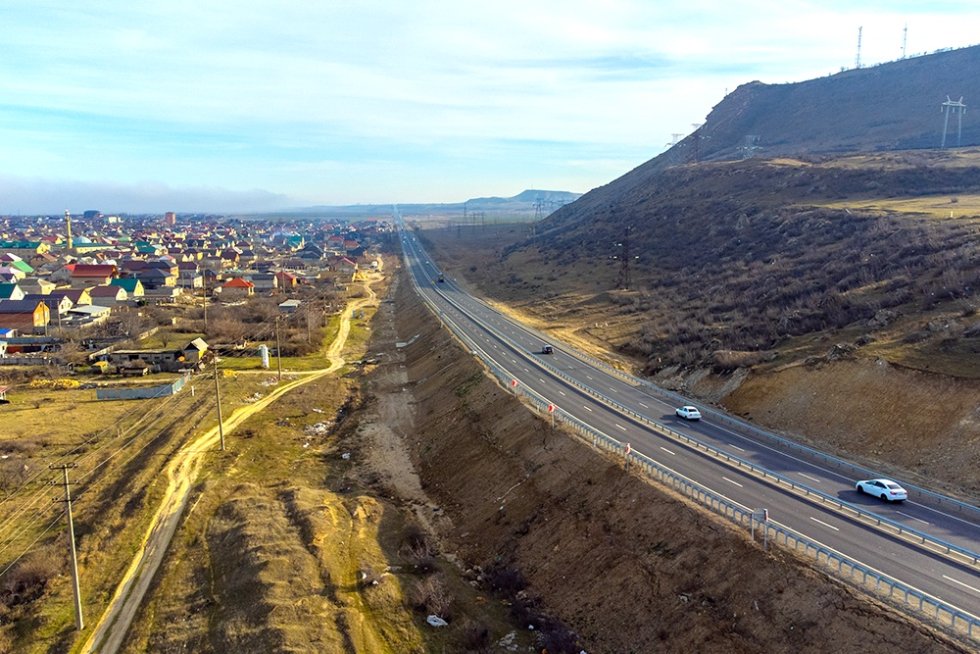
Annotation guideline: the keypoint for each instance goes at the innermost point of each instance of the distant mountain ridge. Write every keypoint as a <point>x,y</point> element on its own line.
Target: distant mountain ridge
<point>523,202</point>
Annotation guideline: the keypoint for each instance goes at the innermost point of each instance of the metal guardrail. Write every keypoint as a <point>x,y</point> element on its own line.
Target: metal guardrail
<point>935,544</point>
<point>856,471</point>
<point>901,595</point>
<point>900,529</point>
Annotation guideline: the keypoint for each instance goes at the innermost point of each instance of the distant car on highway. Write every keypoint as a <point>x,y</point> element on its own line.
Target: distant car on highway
<point>688,413</point>
<point>547,349</point>
<point>885,489</point>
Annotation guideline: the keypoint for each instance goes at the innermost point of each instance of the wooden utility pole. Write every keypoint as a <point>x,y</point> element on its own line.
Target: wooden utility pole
<point>217,399</point>
<point>278,354</point>
<point>205,287</point>
<point>76,588</point>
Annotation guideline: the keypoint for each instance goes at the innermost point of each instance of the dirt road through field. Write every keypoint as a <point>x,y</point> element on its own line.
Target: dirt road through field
<point>181,474</point>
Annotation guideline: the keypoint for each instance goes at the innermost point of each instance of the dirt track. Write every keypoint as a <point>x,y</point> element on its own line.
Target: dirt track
<point>181,473</point>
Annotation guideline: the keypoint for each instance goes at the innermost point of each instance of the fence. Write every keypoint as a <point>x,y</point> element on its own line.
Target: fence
<point>843,567</point>
<point>141,392</point>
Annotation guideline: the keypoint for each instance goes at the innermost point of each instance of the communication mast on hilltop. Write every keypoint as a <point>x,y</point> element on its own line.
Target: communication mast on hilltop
<point>905,39</point>
<point>959,109</point>
<point>857,59</point>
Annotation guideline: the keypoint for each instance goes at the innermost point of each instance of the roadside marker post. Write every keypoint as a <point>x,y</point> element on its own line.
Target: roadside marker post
<point>627,452</point>
<point>551,410</point>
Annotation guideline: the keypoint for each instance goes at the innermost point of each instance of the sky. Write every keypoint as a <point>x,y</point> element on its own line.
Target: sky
<point>257,105</point>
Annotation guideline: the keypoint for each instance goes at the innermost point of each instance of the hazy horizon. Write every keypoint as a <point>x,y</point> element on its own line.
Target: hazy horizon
<point>219,107</point>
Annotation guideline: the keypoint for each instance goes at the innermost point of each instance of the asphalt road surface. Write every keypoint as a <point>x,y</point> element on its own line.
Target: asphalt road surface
<point>518,350</point>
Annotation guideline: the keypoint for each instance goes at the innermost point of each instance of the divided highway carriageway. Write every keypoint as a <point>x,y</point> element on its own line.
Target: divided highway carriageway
<point>929,542</point>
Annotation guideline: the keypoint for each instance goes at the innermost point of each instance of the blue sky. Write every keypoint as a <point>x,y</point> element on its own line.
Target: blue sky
<point>221,105</point>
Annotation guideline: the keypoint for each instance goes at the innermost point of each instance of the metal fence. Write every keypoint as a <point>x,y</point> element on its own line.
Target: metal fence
<point>843,567</point>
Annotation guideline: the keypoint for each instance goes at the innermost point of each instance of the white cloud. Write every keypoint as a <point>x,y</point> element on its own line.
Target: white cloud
<point>235,93</point>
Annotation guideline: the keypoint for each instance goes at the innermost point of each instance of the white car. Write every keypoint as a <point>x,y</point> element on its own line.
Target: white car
<point>688,413</point>
<point>885,489</point>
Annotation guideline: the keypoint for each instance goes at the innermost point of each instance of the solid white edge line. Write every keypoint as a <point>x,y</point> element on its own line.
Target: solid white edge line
<point>957,581</point>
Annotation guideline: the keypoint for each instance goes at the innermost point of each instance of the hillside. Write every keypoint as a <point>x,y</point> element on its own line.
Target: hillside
<point>892,106</point>
<point>827,246</point>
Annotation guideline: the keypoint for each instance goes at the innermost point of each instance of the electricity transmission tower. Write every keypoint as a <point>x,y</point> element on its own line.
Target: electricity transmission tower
<point>625,280</point>
<point>959,109</point>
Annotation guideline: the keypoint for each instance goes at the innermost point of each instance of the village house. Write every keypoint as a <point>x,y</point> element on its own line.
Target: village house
<point>132,285</point>
<point>11,291</point>
<point>84,275</point>
<point>78,296</point>
<point>167,360</point>
<point>237,289</point>
<point>108,296</point>
<point>26,316</point>
<point>286,280</point>
<point>37,285</point>
<point>87,315</point>
<point>264,281</point>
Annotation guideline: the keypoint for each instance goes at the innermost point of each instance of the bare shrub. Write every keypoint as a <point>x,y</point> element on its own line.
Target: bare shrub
<point>28,579</point>
<point>418,548</point>
<point>474,637</point>
<point>430,596</point>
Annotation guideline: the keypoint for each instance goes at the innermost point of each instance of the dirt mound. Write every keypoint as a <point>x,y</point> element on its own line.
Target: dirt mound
<point>627,566</point>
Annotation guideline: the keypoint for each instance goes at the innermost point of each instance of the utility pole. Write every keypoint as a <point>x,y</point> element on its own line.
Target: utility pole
<point>278,355</point>
<point>76,589</point>
<point>217,399</point>
<point>205,287</point>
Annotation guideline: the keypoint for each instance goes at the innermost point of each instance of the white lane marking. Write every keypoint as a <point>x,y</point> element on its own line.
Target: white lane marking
<point>735,447</point>
<point>541,380</point>
<point>561,393</point>
<point>586,408</point>
<point>803,474</point>
<point>612,390</point>
<point>644,405</point>
<point>732,481</point>
<point>911,517</point>
<point>948,515</point>
<point>957,581</point>
<point>668,451</point>
<point>588,376</point>
<point>824,523</point>
<point>526,370</point>
<point>620,426</point>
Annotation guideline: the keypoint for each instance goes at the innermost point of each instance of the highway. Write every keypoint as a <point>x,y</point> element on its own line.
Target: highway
<point>517,349</point>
